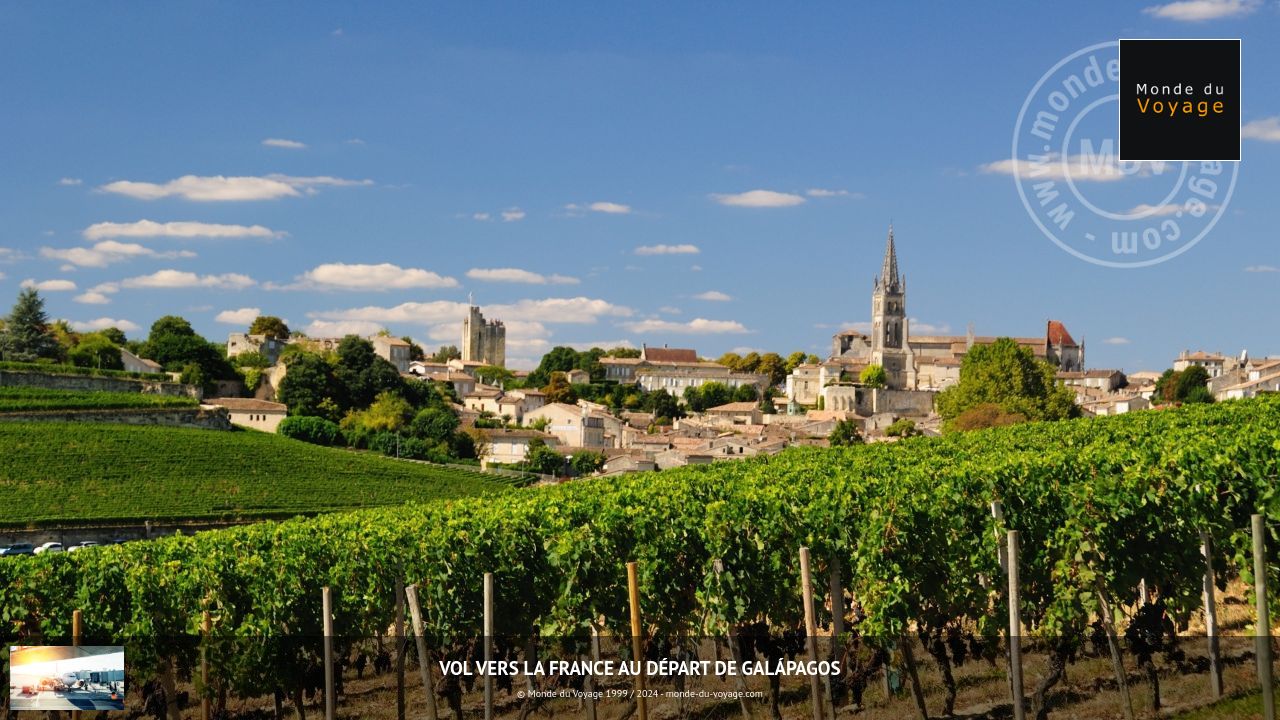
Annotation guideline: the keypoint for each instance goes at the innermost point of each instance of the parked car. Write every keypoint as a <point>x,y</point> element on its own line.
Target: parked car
<point>18,549</point>
<point>82,545</point>
<point>49,547</point>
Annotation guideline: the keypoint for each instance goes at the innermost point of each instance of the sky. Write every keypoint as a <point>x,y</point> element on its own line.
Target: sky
<point>711,175</point>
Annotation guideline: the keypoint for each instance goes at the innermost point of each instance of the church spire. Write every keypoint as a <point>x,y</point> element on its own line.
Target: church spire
<point>889,278</point>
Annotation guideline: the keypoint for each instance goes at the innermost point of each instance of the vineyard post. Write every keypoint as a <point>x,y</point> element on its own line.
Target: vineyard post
<point>590,681</point>
<point>637,641</point>
<point>909,659</point>
<point>1264,619</point>
<point>1015,629</point>
<point>206,627</point>
<point>488,645</point>
<point>1002,556</point>
<point>424,658</point>
<point>1104,614</point>
<point>837,626</point>
<point>734,655</point>
<point>77,636</point>
<point>1211,615</point>
<point>811,631</point>
<point>326,605</point>
<point>400,648</point>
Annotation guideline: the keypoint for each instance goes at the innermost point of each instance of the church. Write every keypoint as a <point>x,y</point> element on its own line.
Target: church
<point>919,362</point>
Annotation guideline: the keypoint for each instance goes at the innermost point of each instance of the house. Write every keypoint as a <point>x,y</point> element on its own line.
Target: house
<point>674,370</point>
<point>578,377</point>
<point>571,425</point>
<point>736,413</point>
<point>628,461</point>
<point>393,350</point>
<point>463,384</point>
<point>1107,380</point>
<point>511,447</point>
<point>1251,388</point>
<point>257,414</point>
<point>1116,404</point>
<point>1213,363</point>
<point>266,345</point>
<point>133,363</point>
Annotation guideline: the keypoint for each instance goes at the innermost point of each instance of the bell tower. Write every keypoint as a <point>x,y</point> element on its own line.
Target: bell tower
<point>889,348</point>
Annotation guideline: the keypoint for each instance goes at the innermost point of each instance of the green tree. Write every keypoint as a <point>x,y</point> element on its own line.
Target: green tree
<point>558,390</point>
<point>434,423</point>
<point>493,375</point>
<point>745,393</point>
<point>364,374</point>
<point>1192,386</point>
<point>845,433</point>
<point>269,325</point>
<point>774,366</point>
<point>586,462</point>
<point>115,335</point>
<point>1010,377</point>
<point>66,336</point>
<point>709,395</point>
<point>542,459</point>
<point>251,359</point>
<point>27,335</point>
<point>95,350</point>
<point>985,415</point>
<point>311,388</point>
<point>873,376</point>
<point>902,427</point>
<point>445,354</point>
<point>663,405</point>
<point>559,359</point>
<point>795,360</point>
<point>388,413</point>
<point>416,353</point>
<point>175,345</point>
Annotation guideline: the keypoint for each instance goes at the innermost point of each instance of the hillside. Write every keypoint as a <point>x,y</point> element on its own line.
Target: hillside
<point>52,473</point>
<point>25,399</point>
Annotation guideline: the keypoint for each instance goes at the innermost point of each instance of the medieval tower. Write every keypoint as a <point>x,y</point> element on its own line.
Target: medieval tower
<point>483,340</point>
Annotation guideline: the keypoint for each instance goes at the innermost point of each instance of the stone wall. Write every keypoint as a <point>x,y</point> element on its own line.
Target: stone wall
<point>204,417</point>
<point>89,383</point>
<point>902,402</point>
<point>105,532</point>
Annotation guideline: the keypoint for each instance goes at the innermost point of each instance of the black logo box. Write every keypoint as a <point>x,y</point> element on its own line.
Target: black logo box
<point>1186,68</point>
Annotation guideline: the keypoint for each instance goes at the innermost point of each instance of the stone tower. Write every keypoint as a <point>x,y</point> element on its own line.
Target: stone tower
<point>889,347</point>
<point>483,340</point>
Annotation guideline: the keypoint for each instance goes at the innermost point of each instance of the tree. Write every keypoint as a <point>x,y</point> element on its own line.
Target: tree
<point>96,351</point>
<point>434,423</point>
<point>416,353</point>
<point>844,434</point>
<point>311,388</point>
<point>745,393</point>
<point>363,373</point>
<point>902,427</point>
<point>1193,385</point>
<point>251,359</point>
<point>558,390</point>
<point>314,430</point>
<point>766,402</point>
<point>493,375</point>
<point>560,359</point>
<point>115,335</point>
<point>873,376</point>
<point>986,415</point>
<point>27,336</point>
<point>709,395</point>
<point>1010,377</point>
<point>66,336</point>
<point>388,413</point>
<point>543,460</point>
<point>445,354</point>
<point>795,360</point>
<point>774,366</point>
<point>269,325</point>
<point>586,462</point>
<point>175,345</point>
<point>664,405</point>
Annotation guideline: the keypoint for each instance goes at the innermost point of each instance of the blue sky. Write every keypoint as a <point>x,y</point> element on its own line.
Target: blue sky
<point>584,171</point>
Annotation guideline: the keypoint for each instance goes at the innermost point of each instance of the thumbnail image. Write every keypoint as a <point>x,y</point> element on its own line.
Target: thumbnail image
<point>88,677</point>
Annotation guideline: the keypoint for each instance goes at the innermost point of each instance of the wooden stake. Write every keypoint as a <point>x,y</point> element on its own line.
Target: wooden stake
<point>400,647</point>
<point>206,628</point>
<point>909,659</point>
<point>77,636</point>
<point>637,639</point>
<point>1211,616</point>
<point>1264,618</point>
<point>811,631</point>
<point>739,683</point>
<point>424,657</point>
<point>488,645</point>
<point>835,594</point>
<point>1015,628</point>
<point>330,699</point>
<point>1116,663</point>
<point>591,678</point>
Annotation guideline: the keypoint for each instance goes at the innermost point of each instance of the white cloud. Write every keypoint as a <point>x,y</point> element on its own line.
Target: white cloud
<point>915,327</point>
<point>603,344</point>
<point>610,207</point>
<point>1197,10</point>
<point>341,328</point>
<point>9,255</point>
<point>516,275</point>
<point>92,297</point>
<point>49,285</point>
<point>697,326</point>
<point>758,199</point>
<point>107,252</point>
<point>825,193</point>
<point>667,250</point>
<point>1267,129</point>
<point>70,181</point>
<point>481,216</point>
<point>2,276</point>
<point>219,188</point>
<point>283,143</point>
<point>1080,168</point>
<point>150,228</point>
<point>512,214</point>
<point>713,296</point>
<point>180,279</point>
<point>1162,210</point>
<point>668,309</point>
<point>1116,341</point>
<point>575,310</point>
<point>103,323</point>
<point>1262,269</point>
<point>243,316</point>
<point>354,141</point>
<point>384,276</point>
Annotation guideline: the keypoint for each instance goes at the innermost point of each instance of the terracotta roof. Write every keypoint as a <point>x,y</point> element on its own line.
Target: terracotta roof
<point>1201,355</point>
<point>389,340</point>
<point>734,407</point>
<point>247,404</point>
<point>1058,334</point>
<point>663,354</point>
<point>506,433</point>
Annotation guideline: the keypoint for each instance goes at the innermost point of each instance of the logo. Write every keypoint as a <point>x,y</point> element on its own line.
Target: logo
<point>1067,168</point>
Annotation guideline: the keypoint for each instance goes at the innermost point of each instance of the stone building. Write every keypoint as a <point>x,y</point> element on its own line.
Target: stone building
<point>257,414</point>
<point>483,340</point>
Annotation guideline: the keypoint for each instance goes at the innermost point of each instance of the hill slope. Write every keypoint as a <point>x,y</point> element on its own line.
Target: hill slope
<point>55,473</point>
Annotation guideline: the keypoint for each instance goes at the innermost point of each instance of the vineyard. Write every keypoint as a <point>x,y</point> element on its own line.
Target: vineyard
<point>76,370</point>
<point>1102,506</point>
<point>26,399</point>
<point>63,473</point>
